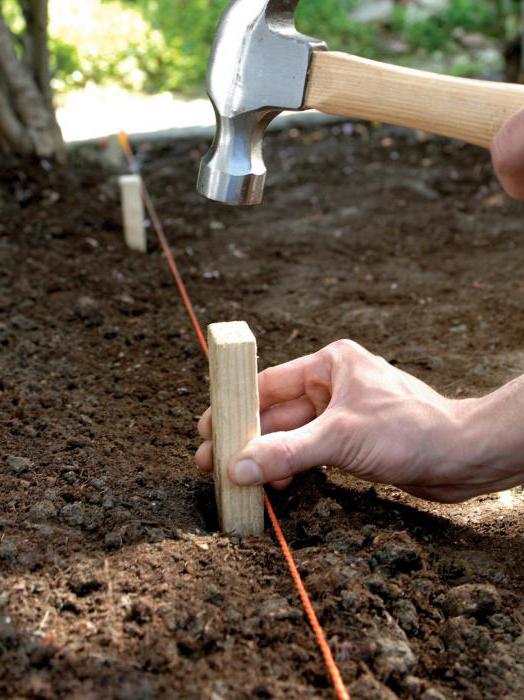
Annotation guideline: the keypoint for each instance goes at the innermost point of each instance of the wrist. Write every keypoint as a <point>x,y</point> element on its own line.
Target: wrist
<point>490,447</point>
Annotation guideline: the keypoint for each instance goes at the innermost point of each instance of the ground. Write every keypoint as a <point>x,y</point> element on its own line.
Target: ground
<point>114,581</point>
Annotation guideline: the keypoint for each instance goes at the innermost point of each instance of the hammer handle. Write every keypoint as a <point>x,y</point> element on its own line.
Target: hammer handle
<point>470,110</point>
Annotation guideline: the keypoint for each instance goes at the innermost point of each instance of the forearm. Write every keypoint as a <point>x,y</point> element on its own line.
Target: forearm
<point>495,434</point>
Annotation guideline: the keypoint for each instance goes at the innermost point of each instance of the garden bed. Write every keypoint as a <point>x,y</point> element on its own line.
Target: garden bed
<point>114,582</point>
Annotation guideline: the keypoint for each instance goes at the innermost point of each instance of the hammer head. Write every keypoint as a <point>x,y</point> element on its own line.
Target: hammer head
<point>258,68</point>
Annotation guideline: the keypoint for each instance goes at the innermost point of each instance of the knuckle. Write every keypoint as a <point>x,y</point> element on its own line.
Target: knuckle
<point>342,348</point>
<point>284,456</point>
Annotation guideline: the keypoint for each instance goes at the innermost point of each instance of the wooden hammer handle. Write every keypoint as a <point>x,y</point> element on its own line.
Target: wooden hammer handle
<point>471,110</point>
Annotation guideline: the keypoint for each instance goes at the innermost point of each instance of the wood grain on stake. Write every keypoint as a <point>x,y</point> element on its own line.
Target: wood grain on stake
<point>236,420</point>
<point>471,110</point>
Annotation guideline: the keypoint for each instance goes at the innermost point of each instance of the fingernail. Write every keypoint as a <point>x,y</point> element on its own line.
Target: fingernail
<point>246,473</point>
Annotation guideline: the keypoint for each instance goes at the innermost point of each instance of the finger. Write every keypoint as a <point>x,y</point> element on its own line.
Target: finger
<point>204,425</point>
<point>507,151</point>
<point>204,456</point>
<point>281,485</point>
<point>286,382</point>
<point>287,416</point>
<point>278,456</point>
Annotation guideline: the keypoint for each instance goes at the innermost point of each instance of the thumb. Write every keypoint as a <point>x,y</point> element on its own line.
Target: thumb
<point>507,152</point>
<point>277,456</point>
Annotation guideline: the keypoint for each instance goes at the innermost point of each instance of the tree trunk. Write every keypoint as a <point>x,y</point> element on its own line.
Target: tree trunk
<point>28,124</point>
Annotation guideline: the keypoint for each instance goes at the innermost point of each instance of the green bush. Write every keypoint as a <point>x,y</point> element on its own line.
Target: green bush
<point>169,44</point>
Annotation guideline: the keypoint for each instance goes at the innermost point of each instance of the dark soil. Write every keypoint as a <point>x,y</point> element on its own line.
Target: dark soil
<point>114,581</point>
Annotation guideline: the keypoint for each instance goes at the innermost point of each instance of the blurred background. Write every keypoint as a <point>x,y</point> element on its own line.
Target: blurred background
<point>140,64</point>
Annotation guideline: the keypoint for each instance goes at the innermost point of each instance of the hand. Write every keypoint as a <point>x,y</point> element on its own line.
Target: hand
<point>345,407</point>
<point>507,151</point>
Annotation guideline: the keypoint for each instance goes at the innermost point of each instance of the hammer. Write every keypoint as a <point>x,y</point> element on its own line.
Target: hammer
<point>261,65</point>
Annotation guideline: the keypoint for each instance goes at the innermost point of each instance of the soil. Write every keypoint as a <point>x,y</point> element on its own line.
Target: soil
<point>114,580</point>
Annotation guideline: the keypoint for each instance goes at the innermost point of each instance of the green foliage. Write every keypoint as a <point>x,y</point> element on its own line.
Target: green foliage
<point>331,21</point>
<point>157,45</point>
<point>436,32</point>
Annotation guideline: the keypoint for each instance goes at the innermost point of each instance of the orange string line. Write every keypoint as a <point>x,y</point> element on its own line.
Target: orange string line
<point>159,230</point>
<point>331,664</point>
<point>333,670</point>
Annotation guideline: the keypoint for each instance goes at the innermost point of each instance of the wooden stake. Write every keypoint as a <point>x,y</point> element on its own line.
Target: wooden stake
<point>236,420</point>
<point>133,212</point>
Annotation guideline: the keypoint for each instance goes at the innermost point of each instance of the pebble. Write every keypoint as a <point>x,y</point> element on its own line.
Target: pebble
<point>70,477</point>
<point>399,557</point>
<point>23,323</point>
<point>87,309</point>
<point>155,534</point>
<point>113,540</point>
<point>368,688</point>
<point>432,694</point>
<point>42,511</point>
<point>8,549</point>
<point>99,484</point>
<point>406,615</point>
<point>94,518</point>
<point>277,608</point>
<point>394,656</point>
<point>73,513</point>
<point>18,465</point>
<point>325,507</point>
<point>470,599</point>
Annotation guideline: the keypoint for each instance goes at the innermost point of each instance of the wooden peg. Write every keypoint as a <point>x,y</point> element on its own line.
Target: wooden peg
<point>236,420</point>
<point>133,212</point>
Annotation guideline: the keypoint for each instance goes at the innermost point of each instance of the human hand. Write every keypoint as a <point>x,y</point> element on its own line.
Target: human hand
<point>345,407</point>
<point>507,152</point>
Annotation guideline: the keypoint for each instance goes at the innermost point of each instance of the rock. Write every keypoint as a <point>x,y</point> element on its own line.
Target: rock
<point>432,694</point>
<point>412,685</point>
<point>351,600</point>
<point>73,514</point>
<point>42,511</point>
<point>402,556</point>
<point>113,540</point>
<point>343,540</point>
<point>394,656</point>
<point>88,310</point>
<point>155,534</point>
<point>18,465</point>
<point>470,599</point>
<point>214,595</point>
<point>325,507</point>
<point>93,519</point>
<point>70,477</point>
<point>278,608</point>
<point>384,589</point>
<point>8,549</point>
<point>462,634</point>
<point>99,484</point>
<point>421,188</point>
<point>108,501</point>
<point>368,688</point>
<point>23,323</point>
<point>406,615</point>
